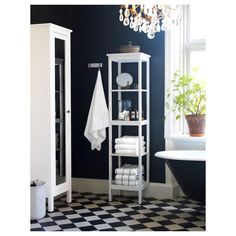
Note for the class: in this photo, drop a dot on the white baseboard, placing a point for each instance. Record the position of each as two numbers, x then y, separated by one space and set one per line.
156 190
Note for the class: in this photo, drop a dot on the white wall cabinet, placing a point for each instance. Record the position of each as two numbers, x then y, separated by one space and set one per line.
50 109
122 63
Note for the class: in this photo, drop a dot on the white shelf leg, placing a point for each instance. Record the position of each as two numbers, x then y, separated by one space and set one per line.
110 126
110 195
148 127
51 204
140 197
119 127
68 196
140 130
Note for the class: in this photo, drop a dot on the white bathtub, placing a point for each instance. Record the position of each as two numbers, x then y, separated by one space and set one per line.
184 155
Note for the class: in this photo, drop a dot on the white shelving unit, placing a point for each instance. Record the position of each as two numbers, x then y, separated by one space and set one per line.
118 59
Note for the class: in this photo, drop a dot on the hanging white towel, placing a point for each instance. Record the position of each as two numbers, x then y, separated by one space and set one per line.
98 117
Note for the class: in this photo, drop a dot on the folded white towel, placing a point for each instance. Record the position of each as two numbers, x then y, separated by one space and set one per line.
125 146
98 117
128 183
129 152
128 170
131 137
128 146
128 140
127 177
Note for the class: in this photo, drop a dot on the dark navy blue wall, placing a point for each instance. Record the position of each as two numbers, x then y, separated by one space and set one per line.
96 32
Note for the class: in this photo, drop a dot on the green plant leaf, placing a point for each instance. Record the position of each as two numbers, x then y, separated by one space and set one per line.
189 94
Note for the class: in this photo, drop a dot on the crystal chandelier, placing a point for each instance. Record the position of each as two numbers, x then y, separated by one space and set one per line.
150 19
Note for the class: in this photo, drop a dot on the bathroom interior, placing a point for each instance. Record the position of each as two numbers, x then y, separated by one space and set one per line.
99 85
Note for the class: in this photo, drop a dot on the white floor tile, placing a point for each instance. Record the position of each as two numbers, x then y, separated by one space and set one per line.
82 224
102 226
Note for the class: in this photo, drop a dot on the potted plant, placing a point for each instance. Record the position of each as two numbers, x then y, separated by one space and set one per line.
189 99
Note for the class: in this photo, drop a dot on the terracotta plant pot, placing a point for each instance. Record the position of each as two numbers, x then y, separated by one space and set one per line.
196 125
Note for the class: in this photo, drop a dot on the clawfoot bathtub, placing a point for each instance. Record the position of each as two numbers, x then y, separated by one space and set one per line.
188 167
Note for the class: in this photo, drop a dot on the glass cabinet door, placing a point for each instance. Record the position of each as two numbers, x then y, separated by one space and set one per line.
60 111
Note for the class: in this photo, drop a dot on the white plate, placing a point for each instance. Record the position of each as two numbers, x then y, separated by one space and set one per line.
124 79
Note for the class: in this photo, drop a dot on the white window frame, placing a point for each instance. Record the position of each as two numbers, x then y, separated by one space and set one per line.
178 48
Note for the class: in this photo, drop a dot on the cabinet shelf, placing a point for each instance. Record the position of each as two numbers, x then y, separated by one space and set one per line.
127 187
129 122
128 90
59 120
128 155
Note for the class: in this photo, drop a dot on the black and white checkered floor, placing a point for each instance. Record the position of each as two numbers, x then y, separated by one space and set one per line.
89 212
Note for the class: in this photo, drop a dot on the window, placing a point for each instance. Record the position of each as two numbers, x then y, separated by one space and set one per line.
185 48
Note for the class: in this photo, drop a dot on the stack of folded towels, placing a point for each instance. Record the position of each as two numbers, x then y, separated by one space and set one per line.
129 145
128 174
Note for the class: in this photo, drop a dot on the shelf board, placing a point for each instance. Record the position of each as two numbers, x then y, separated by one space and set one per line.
127 155
58 120
128 122
128 90
129 57
130 188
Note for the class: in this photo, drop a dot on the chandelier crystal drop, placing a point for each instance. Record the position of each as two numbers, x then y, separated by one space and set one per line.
150 19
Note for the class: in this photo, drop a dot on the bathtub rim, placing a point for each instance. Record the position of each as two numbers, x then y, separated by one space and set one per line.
182 155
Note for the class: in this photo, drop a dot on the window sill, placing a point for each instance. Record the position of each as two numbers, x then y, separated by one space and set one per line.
186 138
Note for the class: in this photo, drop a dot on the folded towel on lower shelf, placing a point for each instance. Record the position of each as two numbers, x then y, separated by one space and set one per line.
128 183
127 177
134 152
128 146
128 169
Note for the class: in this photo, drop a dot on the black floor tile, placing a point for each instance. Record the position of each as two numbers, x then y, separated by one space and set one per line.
145 220
105 216
38 229
130 213
113 211
45 224
76 220
191 219
117 224
160 228
165 222
34 221
171 216
110 229
88 228
97 222
67 226
69 212
187 225
138 226
86 214
124 218
59 218
151 214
